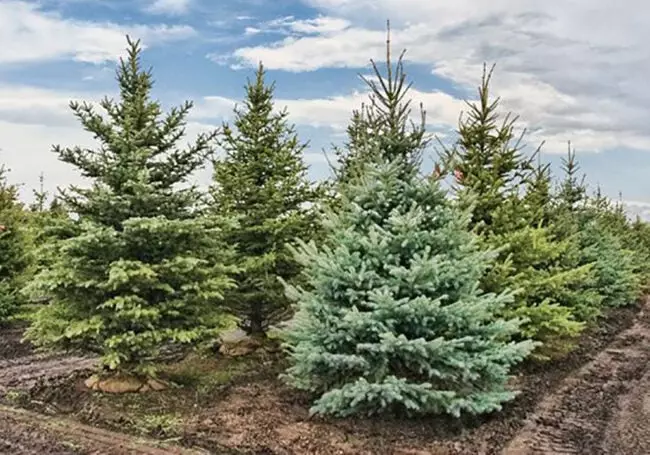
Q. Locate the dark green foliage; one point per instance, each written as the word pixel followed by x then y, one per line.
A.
pixel 14 249
pixel 392 318
pixel 262 181
pixel 140 267
pixel 487 161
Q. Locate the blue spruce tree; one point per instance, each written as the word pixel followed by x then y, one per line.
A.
pixel 392 318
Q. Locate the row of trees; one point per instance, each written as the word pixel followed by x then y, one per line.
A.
pixel 410 292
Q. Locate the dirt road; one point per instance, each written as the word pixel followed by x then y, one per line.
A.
pixel 25 433
pixel 602 409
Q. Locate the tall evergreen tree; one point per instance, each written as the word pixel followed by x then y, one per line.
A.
pixel 488 159
pixel 493 175
pixel 140 267
pixel 391 317
pixel 600 230
pixel 262 181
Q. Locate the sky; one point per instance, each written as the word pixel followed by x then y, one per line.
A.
pixel 572 70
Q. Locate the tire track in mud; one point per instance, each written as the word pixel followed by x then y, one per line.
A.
pixel 594 409
pixel 24 372
pixel 26 433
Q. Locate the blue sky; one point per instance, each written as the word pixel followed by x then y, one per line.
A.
pixel 573 70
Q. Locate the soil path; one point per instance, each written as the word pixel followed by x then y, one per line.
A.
pixel 602 409
pixel 24 372
pixel 26 433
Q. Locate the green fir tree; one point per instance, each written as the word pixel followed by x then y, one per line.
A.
pixel 139 267
pixel 391 318
pixel 262 181
pixel 382 129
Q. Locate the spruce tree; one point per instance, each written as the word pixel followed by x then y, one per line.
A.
pixel 601 229
pixel 139 267
pixel 488 159
pixel 507 195
pixel 262 181
pixel 14 249
pixel 382 128
pixel 391 318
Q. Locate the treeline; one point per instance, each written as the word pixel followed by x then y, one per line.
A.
pixel 393 289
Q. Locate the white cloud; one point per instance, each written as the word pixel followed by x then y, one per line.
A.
pixel 571 69
pixel 335 112
pixel 32 120
pixel 173 7
pixel 638 208
pixel 30 34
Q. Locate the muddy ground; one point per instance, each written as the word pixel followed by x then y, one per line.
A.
pixel 592 402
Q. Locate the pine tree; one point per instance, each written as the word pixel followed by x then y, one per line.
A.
pixel 44 225
pixel 538 196
pixel 508 198
pixel 140 267
pixel 14 248
pixel 262 181
pixel 572 193
pixel 600 229
pixel 392 318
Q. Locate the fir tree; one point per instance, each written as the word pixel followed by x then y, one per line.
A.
pixel 40 196
pixel 140 267
pixel 572 192
pixel 391 317
pixel 14 248
pixel 538 197
pixel 600 229
pixel 262 181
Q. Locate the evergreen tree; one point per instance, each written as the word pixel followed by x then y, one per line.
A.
pixel 40 196
pixel 382 129
pixel 600 229
pixel 572 193
pixel 139 267
pixel 262 181
pixel 14 248
pixel 508 197
pixel 538 196
pixel 44 225
pixel 487 159
pixel 392 318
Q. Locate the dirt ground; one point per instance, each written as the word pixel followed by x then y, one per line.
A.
pixel 592 402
